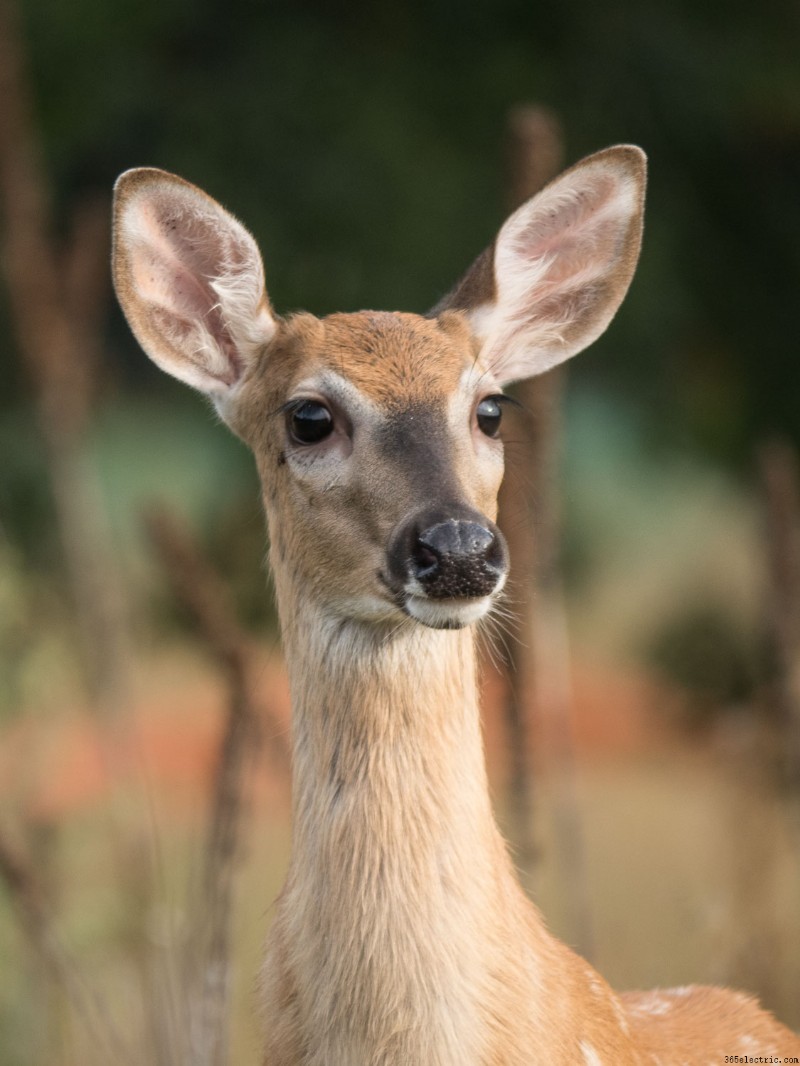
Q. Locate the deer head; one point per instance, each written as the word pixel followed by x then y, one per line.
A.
pixel 377 434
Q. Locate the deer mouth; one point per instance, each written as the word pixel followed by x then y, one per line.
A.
pixel 453 613
pixel 446 614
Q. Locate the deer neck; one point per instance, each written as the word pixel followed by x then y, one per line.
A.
pixel 402 936
pixel 388 921
pixel 387 744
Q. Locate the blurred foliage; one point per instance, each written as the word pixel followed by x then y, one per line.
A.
pixel 704 651
pixel 361 143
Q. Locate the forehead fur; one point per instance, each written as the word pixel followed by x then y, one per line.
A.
pixel 393 358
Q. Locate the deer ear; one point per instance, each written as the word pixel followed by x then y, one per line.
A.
pixel 559 268
pixel 190 280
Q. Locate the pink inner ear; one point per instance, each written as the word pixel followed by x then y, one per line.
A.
pixel 180 258
pixel 568 230
pixel 562 264
pixel 565 241
pixel 179 254
pixel 564 213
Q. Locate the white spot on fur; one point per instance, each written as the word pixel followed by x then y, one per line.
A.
pixel 654 1004
pixel 619 1013
pixel 590 1056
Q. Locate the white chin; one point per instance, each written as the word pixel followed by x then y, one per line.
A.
pixel 447 614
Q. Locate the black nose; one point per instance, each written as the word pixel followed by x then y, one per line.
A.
pixel 450 557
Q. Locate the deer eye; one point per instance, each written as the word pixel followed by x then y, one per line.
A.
pixel 309 422
pixel 489 414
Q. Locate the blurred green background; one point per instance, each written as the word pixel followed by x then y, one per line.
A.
pixel 362 144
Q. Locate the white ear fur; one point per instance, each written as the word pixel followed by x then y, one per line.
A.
pixel 562 264
pixel 190 280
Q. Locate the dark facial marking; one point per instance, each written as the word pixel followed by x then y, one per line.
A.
pixel 416 441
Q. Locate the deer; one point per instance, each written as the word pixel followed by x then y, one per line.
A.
pixel 402 936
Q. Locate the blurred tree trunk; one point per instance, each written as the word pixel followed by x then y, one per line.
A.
pixel 530 517
pixel 762 753
pixel 57 299
pixel 780 484
pixel 199 590
pixel 30 902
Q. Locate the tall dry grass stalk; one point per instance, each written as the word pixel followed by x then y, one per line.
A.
pixel 86 1001
pixel 539 697
pixel 208 962
pixel 779 472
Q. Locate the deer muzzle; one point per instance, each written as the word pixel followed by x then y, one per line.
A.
pixel 445 565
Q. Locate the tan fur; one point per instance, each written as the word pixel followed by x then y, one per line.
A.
pixel 402 930
pixel 402 937
pixel 397 358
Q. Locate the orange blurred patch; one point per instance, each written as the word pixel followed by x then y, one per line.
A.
pixel 60 766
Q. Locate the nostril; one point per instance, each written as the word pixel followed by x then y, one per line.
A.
pixel 495 554
pixel 426 560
